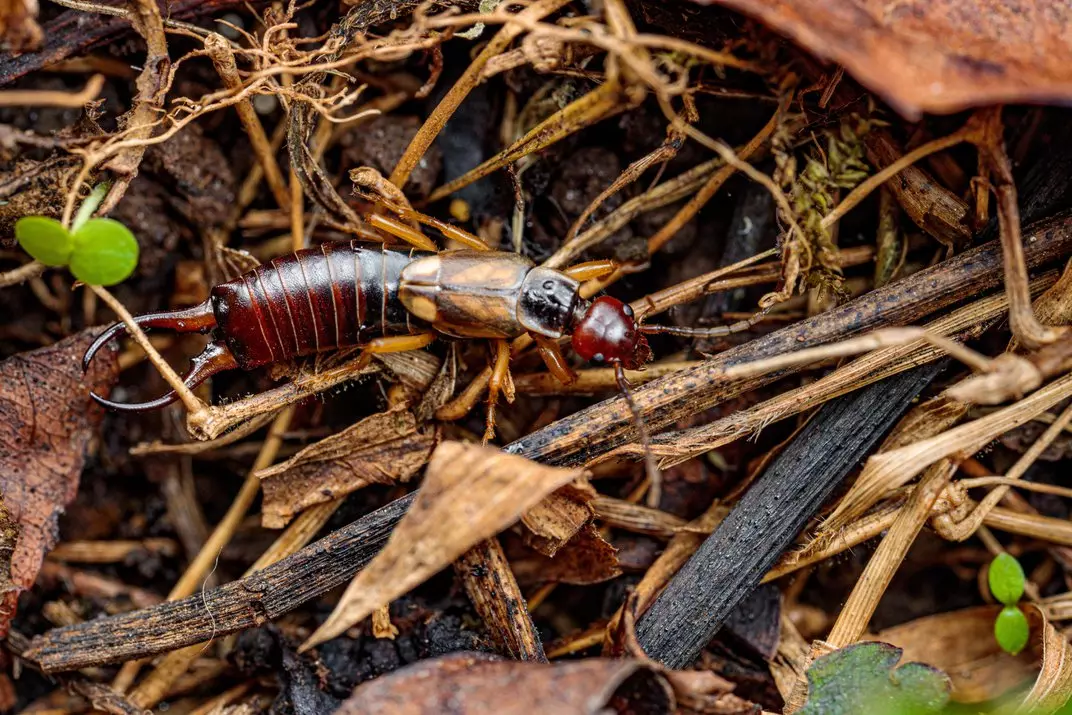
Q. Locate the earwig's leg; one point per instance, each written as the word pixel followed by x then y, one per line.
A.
pixel 718 331
pixel 449 230
pixel 591 269
pixel 464 403
pixel 400 230
pixel 394 344
pixel 213 359
pixel 555 361
pixel 500 376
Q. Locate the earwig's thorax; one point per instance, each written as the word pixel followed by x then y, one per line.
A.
pixel 547 302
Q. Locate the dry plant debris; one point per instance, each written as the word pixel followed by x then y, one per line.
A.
pixel 48 421
pixel 812 254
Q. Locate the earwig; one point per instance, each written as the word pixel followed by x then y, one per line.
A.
pixel 349 294
pixel 380 299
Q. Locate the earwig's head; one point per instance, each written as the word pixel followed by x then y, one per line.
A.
pixel 608 332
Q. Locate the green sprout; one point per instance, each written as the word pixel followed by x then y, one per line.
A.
pixel 98 251
pixel 1006 580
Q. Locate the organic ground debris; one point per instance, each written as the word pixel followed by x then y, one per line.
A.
pixel 848 226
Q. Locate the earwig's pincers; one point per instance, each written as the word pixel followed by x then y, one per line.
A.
pixel 199 319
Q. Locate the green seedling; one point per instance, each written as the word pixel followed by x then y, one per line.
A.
pixel 98 251
pixel 1006 579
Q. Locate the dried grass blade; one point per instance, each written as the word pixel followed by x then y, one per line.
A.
pixel 892 469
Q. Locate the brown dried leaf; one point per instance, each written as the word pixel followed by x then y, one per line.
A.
pixel 937 56
pixel 480 683
pixel 469 494
pixel 961 644
pixel 46 420
pixel 384 448
pixel 1053 687
pixel 18 25
pixel 556 519
pixel 586 559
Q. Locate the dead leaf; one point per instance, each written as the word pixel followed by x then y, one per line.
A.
pixel 481 683
pixel 586 559
pixel 18 25
pixel 961 643
pixel 556 519
pixel 384 448
pixel 1053 687
pixel 469 494
pixel 46 420
pixel 938 56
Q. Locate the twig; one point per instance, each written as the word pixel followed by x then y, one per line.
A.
pixel 53 98
pixel 202 563
pixel 711 187
pixel 240 605
pixel 157 684
pixel 21 274
pixel 886 174
pixel 152 84
pixel 222 56
pixel 596 429
pixel 435 121
pixel 492 588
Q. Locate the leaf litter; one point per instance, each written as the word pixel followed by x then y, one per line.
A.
pixel 519 531
pixel 48 421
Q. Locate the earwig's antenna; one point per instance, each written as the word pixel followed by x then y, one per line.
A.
pixel 651 468
pixel 199 319
pixel 718 331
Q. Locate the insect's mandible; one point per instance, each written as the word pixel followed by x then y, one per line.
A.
pixel 349 294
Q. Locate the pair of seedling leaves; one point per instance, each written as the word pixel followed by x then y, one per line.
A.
pixel 98 251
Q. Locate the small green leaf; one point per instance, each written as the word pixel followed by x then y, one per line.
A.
pixel 1011 629
pixel 45 239
pixel 863 678
pixel 105 252
pixel 1006 579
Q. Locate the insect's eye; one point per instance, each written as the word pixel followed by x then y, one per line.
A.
pixel 598 357
pixel 628 310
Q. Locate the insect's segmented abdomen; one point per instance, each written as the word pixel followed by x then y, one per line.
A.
pixel 337 295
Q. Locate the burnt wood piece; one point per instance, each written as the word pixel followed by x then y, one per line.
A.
pixel 729 564
pixel 334 560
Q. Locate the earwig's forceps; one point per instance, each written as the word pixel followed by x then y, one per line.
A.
pixel 199 319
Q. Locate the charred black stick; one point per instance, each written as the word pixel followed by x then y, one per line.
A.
pixel 334 559
pixel 729 564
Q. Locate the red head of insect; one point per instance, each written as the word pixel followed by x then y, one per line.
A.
pixel 608 332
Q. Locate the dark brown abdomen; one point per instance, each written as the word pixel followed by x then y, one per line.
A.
pixel 318 299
